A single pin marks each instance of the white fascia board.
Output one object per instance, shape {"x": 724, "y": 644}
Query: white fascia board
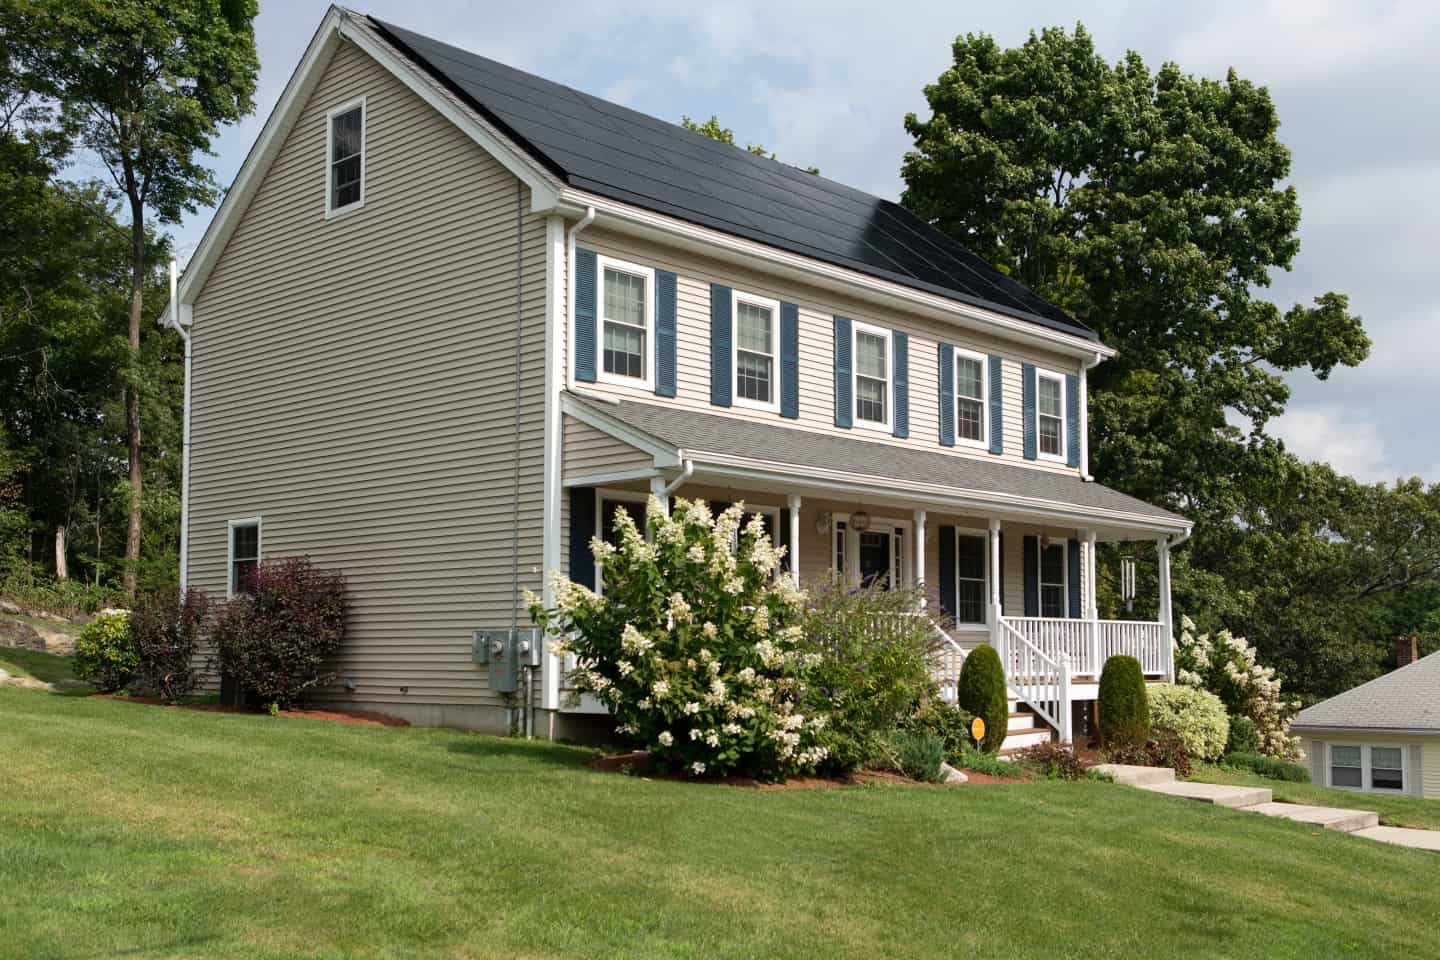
{"x": 647, "y": 224}
{"x": 341, "y": 24}
{"x": 663, "y": 453}
{"x": 927, "y": 494}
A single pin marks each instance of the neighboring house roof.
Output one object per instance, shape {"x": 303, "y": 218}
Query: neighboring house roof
{"x": 786, "y": 449}
{"x": 1407, "y": 699}
{"x": 618, "y": 153}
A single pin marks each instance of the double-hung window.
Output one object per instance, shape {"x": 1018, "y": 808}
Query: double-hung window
{"x": 1050, "y": 415}
{"x": 757, "y": 349}
{"x": 627, "y": 317}
{"x": 970, "y": 550}
{"x": 345, "y": 155}
{"x": 1053, "y": 585}
{"x": 1369, "y": 767}
{"x": 970, "y": 397}
{"x": 244, "y": 556}
{"x": 872, "y": 377}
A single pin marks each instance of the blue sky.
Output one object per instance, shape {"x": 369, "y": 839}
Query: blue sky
{"x": 829, "y": 83}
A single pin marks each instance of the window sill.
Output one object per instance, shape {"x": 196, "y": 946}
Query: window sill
{"x": 872, "y": 426}
{"x": 747, "y": 404}
{"x": 345, "y": 211}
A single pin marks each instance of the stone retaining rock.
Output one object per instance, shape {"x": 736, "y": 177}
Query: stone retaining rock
{"x": 13, "y": 633}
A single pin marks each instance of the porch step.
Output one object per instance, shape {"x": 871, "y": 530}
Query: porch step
{"x": 1024, "y": 737}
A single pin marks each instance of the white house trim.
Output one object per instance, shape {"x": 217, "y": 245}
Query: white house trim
{"x": 664, "y": 454}
{"x": 885, "y": 426}
{"x": 645, "y": 382}
{"x": 738, "y": 297}
{"x": 258, "y": 522}
{"x": 984, "y": 537}
{"x": 984, "y": 360}
{"x": 1041, "y": 374}
{"x": 331, "y": 211}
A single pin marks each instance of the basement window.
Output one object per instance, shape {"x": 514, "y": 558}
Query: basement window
{"x": 345, "y": 148}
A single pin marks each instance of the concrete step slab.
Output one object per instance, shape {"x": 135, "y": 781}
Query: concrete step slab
{"x": 1340, "y": 819}
{"x": 1403, "y": 836}
{"x": 1134, "y": 776}
{"x": 1221, "y": 795}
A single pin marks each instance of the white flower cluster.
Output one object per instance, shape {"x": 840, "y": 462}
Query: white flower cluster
{"x": 1225, "y": 665}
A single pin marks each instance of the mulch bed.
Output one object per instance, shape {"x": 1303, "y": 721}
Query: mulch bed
{"x": 637, "y": 763}
{"x": 365, "y": 718}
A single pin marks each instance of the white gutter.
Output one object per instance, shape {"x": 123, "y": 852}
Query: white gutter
{"x": 1085, "y": 366}
{"x": 686, "y": 473}
{"x": 171, "y": 318}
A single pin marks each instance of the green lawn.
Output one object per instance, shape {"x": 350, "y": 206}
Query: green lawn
{"x": 49, "y": 667}
{"x": 1394, "y": 811}
{"x": 134, "y": 830}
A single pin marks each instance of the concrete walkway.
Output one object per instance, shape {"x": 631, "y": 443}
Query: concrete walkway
{"x": 1362, "y": 823}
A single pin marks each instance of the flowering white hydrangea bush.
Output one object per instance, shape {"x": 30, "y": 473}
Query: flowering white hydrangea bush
{"x": 693, "y": 645}
{"x": 1225, "y": 665}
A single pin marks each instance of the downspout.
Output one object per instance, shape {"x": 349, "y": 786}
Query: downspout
{"x": 1085, "y": 367}
{"x": 174, "y": 321}
{"x": 580, "y": 224}
{"x": 686, "y": 472}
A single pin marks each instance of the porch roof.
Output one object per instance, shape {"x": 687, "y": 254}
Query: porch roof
{"x": 711, "y": 439}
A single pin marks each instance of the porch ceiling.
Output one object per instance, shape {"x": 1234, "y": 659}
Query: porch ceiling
{"x": 740, "y": 448}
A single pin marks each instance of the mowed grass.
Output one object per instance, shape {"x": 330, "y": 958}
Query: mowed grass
{"x": 1394, "y": 811}
{"x": 135, "y": 830}
{"x": 36, "y": 664}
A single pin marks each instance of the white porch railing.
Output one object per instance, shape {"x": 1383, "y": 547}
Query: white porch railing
{"x": 1145, "y": 641}
{"x": 1089, "y": 643}
{"x": 1039, "y": 680}
{"x": 947, "y": 659}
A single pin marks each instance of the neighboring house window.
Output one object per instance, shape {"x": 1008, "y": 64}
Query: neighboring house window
{"x": 346, "y": 150}
{"x": 244, "y": 555}
{"x": 1050, "y": 415}
{"x": 1369, "y": 767}
{"x": 757, "y": 348}
{"x": 872, "y": 377}
{"x": 970, "y": 389}
{"x": 627, "y": 316}
{"x": 1053, "y": 587}
{"x": 970, "y": 551}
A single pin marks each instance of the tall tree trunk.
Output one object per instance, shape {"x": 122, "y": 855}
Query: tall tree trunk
{"x": 132, "y": 392}
{"x": 62, "y": 572}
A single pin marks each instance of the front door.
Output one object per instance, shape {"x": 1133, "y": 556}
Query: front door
{"x": 875, "y": 558}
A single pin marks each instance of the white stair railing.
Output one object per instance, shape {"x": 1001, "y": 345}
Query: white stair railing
{"x": 947, "y": 659}
{"x": 1039, "y": 681}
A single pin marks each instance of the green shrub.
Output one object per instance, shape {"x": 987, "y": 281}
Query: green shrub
{"x": 105, "y": 653}
{"x": 1269, "y": 767}
{"x": 919, "y": 755}
{"x": 1227, "y": 666}
{"x": 1244, "y": 736}
{"x": 165, "y": 630}
{"x": 1052, "y": 760}
{"x": 1124, "y": 707}
{"x": 979, "y": 761}
{"x": 1166, "y": 750}
{"x": 871, "y": 652}
{"x": 1196, "y": 716}
{"x": 982, "y": 693}
{"x": 949, "y": 723}
{"x": 64, "y": 597}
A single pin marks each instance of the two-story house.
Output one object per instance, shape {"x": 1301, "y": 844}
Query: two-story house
{"x": 452, "y": 316}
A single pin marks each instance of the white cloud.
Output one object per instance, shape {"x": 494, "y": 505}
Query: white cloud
{"x": 1347, "y": 439}
{"x": 622, "y": 91}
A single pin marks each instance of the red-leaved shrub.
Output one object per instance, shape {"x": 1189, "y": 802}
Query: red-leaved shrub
{"x": 165, "y": 628}
{"x": 276, "y": 641}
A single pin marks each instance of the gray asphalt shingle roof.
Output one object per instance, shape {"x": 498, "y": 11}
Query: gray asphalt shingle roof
{"x": 619, "y": 153}
{"x": 1403, "y": 699}
{"x": 696, "y": 432}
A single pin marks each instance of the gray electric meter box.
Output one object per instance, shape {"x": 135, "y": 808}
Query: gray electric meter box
{"x": 505, "y": 651}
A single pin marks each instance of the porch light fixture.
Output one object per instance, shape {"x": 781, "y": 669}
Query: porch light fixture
{"x": 859, "y": 521}
{"x": 823, "y": 521}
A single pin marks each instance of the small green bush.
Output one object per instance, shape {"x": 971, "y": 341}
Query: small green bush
{"x": 981, "y": 692}
{"x": 1052, "y": 760}
{"x": 1166, "y": 750}
{"x": 1244, "y": 736}
{"x": 1196, "y": 716}
{"x": 1269, "y": 767}
{"x": 987, "y": 763}
{"x": 1124, "y": 706}
{"x": 919, "y": 755}
{"x": 105, "y": 652}
{"x": 949, "y": 723}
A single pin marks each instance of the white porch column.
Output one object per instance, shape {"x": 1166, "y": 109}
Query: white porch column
{"x": 1092, "y": 609}
{"x": 657, "y": 490}
{"x": 995, "y": 602}
{"x": 920, "y": 554}
{"x": 793, "y": 501}
{"x": 1166, "y": 616}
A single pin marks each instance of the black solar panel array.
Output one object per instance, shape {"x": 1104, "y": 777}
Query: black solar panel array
{"x": 619, "y": 153}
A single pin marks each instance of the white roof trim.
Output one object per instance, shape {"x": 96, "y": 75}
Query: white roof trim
{"x": 338, "y": 24}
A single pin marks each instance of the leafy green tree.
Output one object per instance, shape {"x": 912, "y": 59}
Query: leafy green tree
{"x": 144, "y": 86}
{"x": 711, "y": 128}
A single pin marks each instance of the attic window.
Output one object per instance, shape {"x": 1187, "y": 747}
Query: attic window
{"x": 346, "y": 150}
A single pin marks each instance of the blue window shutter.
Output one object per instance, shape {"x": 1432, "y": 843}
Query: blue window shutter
{"x": 789, "y": 360}
{"x": 582, "y": 529}
{"x": 783, "y": 540}
{"x": 1032, "y": 576}
{"x": 720, "y": 376}
{"x": 1072, "y": 419}
{"x": 947, "y": 395}
{"x": 997, "y": 406}
{"x": 1073, "y": 565}
{"x": 843, "y": 404}
{"x": 948, "y": 600}
{"x": 585, "y": 303}
{"x": 900, "y": 419}
{"x": 664, "y": 333}
{"x": 1028, "y": 393}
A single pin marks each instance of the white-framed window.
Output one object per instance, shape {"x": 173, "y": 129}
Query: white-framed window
{"x": 872, "y": 391}
{"x": 242, "y": 555}
{"x": 1370, "y": 767}
{"x": 607, "y": 503}
{"x": 879, "y": 554}
{"x": 345, "y": 158}
{"x": 755, "y": 345}
{"x": 627, "y": 321}
{"x": 1053, "y": 578}
{"x": 972, "y": 392}
{"x": 972, "y": 582}
{"x": 1050, "y": 415}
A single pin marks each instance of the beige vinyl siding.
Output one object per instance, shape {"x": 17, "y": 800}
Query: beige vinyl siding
{"x": 355, "y": 385}
{"x": 1430, "y": 749}
{"x": 589, "y": 452}
{"x": 817, "y": 310}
